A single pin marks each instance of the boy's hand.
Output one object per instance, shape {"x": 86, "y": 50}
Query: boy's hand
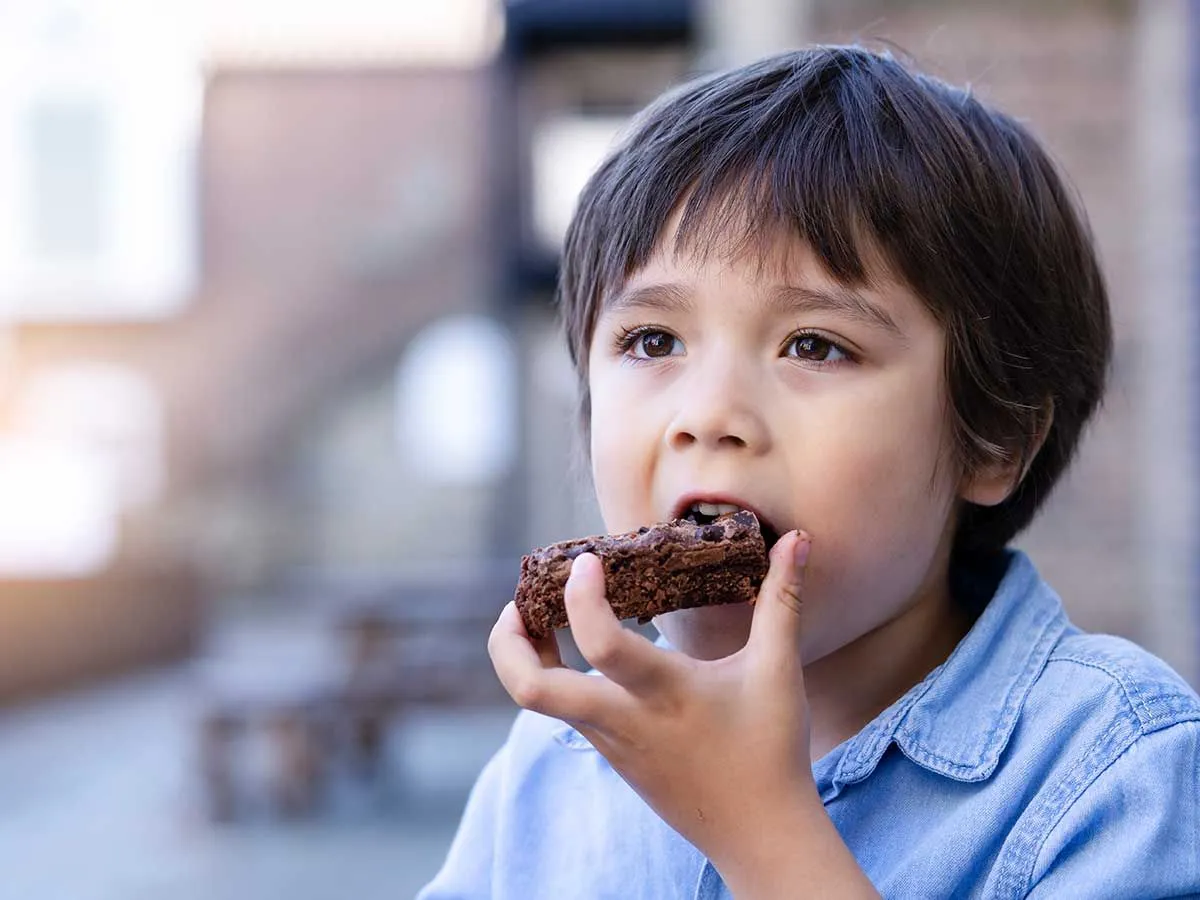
{"x": 719, "y": 749}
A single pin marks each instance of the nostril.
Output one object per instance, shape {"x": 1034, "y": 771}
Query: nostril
{"x": 687, "y": 439}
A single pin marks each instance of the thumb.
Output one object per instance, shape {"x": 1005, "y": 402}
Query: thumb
{"x": 777, "y": 612}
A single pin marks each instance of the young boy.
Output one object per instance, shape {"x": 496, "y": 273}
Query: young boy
{"x": 858, "y": 302}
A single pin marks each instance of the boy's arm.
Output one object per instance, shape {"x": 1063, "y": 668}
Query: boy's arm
{"x": 1132, "y": 832}
{"x": 718, "y": 749}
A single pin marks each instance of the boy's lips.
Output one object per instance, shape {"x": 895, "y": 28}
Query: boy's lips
{"x": 770, "y": 530}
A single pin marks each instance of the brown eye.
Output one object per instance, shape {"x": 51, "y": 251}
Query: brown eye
{"x": 814, "y": 348}
{"x": 655, "y": 344}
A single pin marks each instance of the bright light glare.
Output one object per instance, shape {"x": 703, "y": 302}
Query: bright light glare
{"x": 465, "y": 32}
{"x": 106, "y": 409}
{"x": 58, "y": 516}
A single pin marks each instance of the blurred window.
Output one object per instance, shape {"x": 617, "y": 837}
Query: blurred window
{"x": 68, "y": 207}
{"x": 99, "y": 124}
{"x": 456, "y": 401}
{"x": 566, "y": 150}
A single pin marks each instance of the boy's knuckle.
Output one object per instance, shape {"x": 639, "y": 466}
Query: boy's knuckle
{"x": 529, "y": 693}
{"x": 791, "y": 596}
{"x": 604, "y": 652}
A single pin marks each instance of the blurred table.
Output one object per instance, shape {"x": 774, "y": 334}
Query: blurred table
{"x": 419, "y": 643}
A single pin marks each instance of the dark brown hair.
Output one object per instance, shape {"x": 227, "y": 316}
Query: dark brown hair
{"x": 862, "y": 158}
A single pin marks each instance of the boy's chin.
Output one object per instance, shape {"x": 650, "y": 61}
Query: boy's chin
{"x": 708, "y": 632}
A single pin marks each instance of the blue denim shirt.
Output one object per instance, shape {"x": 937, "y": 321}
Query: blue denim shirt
{"x": 1037, "y": 761}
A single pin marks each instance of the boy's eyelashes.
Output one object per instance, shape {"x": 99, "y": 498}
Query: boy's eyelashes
{"x": 647, "y": 342}
{"x": 815, "y": 347}
{"x": 644, "y": 343}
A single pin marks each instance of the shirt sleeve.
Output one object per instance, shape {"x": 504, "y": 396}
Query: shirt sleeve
{"x": 1134, "y": 832}
{"x": 466, "y": 873}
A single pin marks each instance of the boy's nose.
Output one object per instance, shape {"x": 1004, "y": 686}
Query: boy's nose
{"x": 718, "y": 413}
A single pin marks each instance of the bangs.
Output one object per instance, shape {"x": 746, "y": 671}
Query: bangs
{"x": 848, "y": 165}
{"x": 744, "y": 216}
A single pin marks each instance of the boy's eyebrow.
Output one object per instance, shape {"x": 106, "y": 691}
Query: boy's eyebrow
{"x": 785, "y": 298}
{"x": 838, "y": 300}
{"x": 662, "y": 297}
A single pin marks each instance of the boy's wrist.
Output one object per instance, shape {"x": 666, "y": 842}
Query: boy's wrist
{"x": 794, "y": 852}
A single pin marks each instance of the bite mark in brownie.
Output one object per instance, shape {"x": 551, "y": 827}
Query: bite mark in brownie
{"x": 674, "y": 565}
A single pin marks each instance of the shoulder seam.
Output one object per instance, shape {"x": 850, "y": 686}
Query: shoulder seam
{"x": 1160, "y": 710}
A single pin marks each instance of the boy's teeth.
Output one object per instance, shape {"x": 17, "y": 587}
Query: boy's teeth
{"x": 715, "y": 509}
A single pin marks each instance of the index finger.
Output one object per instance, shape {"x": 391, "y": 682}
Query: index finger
{"x": 537, "y": 680}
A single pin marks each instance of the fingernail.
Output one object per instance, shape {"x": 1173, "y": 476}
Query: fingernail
{"x": 803, "y": 545}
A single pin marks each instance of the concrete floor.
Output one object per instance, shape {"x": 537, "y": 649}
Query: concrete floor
{"x": 99, "y": 800}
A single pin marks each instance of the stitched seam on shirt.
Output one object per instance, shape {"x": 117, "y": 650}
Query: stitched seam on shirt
{"x": 1169, "y": 707}
{"x": 1054, "y": 823}
{"x": 922, "y": 755}
{"x": 1014, "y": 702}
{"x": 883, "y": 735}
{"x": 1026, "y": 851}
{"x": 887, "y": 728}
{"x": 1132, "y": 697}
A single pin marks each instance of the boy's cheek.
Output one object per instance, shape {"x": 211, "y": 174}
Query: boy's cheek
{"x": 621, "y": 493}
{"x": 624, "y": 505}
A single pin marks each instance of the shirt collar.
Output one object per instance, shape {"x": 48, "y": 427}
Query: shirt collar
{"x": 959, "y": 719}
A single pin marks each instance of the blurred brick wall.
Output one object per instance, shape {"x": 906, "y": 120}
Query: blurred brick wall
{"x": 1068, "y": 71}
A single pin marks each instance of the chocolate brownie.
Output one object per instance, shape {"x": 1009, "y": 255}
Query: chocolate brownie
{"x": 674, "y": 565}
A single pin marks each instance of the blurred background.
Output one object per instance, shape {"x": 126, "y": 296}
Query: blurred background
{"x": 283, "y": 399}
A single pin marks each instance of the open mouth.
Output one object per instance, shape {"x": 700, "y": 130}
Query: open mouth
{"x": 701, "y": 513}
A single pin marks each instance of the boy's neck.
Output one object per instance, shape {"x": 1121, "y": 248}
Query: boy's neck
{"x": 850, "y": 687}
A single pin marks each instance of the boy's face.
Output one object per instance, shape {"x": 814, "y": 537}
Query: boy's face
{"x": 775, "y": 388}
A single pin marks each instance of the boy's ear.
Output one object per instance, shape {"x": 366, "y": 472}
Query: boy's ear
{"x": 993, "y": 483}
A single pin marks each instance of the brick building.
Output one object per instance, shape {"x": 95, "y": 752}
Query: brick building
{"x": 347, "y": 201}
